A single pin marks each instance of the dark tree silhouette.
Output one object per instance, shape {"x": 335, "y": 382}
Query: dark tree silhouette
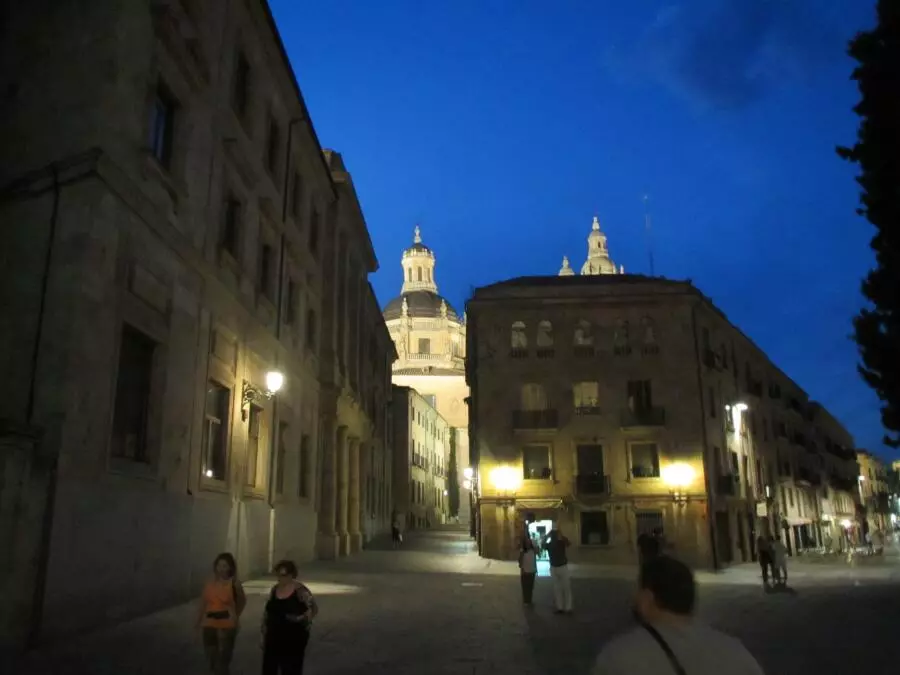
{"x": 453, "y": 477}
{"x": 877, "y": 152}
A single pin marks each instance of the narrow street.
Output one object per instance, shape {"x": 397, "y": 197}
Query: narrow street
{"x": 436, "y": 607}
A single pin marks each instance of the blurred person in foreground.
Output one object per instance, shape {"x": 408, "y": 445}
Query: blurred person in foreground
{"x": 668, "y": 640}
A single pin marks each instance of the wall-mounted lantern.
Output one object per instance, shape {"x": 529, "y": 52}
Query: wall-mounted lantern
{"x": 251, "y": 394}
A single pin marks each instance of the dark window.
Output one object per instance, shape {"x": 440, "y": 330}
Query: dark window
{"x": 162, "y": 126}
{"x": 273, "y": 144}
{"x": 640, "y": 398}
{"x": 279, "y": 459}
{"x": 264, "y": 282}
{"x": 314, "y": 231}
{"x": 311, "y": 329}
{"x": 296, "y": 195}
{"x": 303, "y": 464}
{"x": 133, "y": 382}
{"x": 735, "y": 464}
{"x": 648, "y": 521}
{"x": 424, "y": 346}
{"x": 290, "y": 303}
{"x": 594, "y": 528}
{"x": 215, "y": 432}
{"x": 706, "y": 339}
{"x": 241, "y": 93}
{"x": 253, "y": 437}
{"x": 644, "y": 460}
{"x": 231, "y": 225}
{"x": 759, "y": 475}
{"x": 536, "y": 463}
{"x": 712, "y": 402}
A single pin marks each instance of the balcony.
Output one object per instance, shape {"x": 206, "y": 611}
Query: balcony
{"x": 587, "y": 409}
{"x": 843, "y": 484}
{"x": 545, "y": 352}
{"x": 535, "y": 419}
{"x": 518, "y": 353}
{"x": 583, "y": 351}
{"x": 643, "y": 417}
{"x": 592, "y": 485}
{"x": 727, "y": 485}
{"x": 804, "y": 476}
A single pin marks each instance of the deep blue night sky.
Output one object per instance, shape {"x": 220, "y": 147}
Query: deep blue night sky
{"x": 503, "y": 126}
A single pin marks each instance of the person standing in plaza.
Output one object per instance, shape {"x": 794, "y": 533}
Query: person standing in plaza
{"x": 287, "y": 620}
{"x": 396, "y": 537}
{"x": 649, "y": 545}
{"x": 779, "y": 562}
{"x": 556, "y": 545}
{"x": 527, "y": 568}
{"x": 668, "y": 640}
{"x": 764, "y": 555}
{"x": 220, "y": 609}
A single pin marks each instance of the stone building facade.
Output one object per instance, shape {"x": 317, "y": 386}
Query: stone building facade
{"x": 612, "y": 404}
{"x": 182, "y": 246}
{"x": 430, "y": 337}
{"x": 421, "y": 460}
{"x": 874, "y": 492}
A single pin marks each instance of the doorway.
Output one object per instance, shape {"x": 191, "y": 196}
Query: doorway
{"x": 537, "y": 530}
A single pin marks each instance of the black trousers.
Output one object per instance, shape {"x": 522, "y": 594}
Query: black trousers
{"x": 765, "y": 564}
{"x": 284, "y": 655}
{"x": 527, "y": 587}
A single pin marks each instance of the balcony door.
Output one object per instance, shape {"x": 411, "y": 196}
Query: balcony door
{"x": 591, "y": 475}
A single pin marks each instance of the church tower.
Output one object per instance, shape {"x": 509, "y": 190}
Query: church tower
{"x": 598, "y": 260}
{"x": 418, "y": 267}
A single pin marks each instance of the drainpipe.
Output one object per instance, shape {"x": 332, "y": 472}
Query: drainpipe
{"x": 707, "y": 477}
{"x": 43, "y": 563}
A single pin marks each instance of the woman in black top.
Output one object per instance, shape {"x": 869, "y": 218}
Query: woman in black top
{"x": 287, "y": 619}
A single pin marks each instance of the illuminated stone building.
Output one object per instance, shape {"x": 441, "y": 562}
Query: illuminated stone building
{"x": 614, "y": 404}
{"x": 182, "y": 246}
{"x": 430, "y": 338}
{"x": 874, "y": 492}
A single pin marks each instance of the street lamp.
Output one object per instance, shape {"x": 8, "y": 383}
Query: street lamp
{"x": 678, "y": 477}
{"x": 251, "y": 394}
{"x": 468, "y": 473}
{"x": 505, "y": 480}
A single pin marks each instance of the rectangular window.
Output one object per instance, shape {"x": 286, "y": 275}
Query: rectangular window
{"x": 266, "y": 267}
{"x": 273, "y": 145}
{"x": 296, "y": 195}
{"x": 311, "y": 329}
{"x": 215, "y": 432}
{"x": 594, "y": 528}
{"x": 241, "y": 91}
{"x": 303, "y": 465}
{"x": 253, "y": 437}
{"x": 713, "y": 404}
{"x": 586, "y": 395}
{"x": 424, "y": 346}
{"x": 644, "y": 460}
{"x": 133, "y": 383}
{"x": 231, "y": 225}
{"x": 314, "y": 231}
{"x": 735, "y": 464}
{"x": 791, "y": 496}
{"x": 640, "y": 398}
{"x": 290, "y": 303}
{"x": 759, "y": 475}
{"x": 162, "y": 126}
{"x": 536, "y": 462}
{"x": 648, "y": 521}
{"x": 280, "y": 459}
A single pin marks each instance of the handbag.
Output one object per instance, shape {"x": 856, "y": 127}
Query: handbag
{"x": 676, "y": 664}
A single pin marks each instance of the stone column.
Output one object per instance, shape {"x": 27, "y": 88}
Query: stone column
{"x": 327, "y": 539}
{"x": 353, "y": 500}
{"x": 343, "y": 486}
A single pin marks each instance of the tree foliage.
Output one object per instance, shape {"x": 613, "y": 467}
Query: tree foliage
{"x": 877, "y": 152}
{"x": 453, "y": 477}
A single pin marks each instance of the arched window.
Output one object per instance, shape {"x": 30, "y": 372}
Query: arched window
{"x": 428, "y": 274}
{"x": 545, "y": 334}
{"x": 418, "y": 274}
{"x": 584, "y": 336}
{"x": 648, "y": 331}
{"x": 534, "y": 397}
{"x": 622, "y": 333}
{"x": 518, "y": 337}
{"x": 409, "y": 274}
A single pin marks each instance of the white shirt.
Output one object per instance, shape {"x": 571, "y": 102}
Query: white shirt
{"x": 700, "y": 649}
{"x": 528, "y": 562}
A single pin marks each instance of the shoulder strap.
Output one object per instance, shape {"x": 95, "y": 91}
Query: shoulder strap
{"x": 676, "y": 664}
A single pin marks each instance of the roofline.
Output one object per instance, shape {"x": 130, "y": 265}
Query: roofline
{"x": 683, "y": 286}
{"x": 270, "y": 19}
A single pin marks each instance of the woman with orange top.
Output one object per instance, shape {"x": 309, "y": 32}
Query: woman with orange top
{"x": 221, "y": 605}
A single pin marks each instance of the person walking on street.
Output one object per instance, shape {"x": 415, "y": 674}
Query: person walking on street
{"x": 764, "y": 555}
{"x": 668, "y": 640}
{"x": 779, "y": 562}
{"x": 650, "y": 545}
{"x": 220, "y": 608}
{"x": 286, "y": 624}
{"x": 527, "y": 568}
{"x": 396, "y": 537}
{"x": 555, "y": 543}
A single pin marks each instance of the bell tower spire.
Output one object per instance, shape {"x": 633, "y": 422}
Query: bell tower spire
{"x": 418, "y": 266}
{"x": 598, "y": 261}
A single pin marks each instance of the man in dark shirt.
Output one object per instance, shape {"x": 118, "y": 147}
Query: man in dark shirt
{"x": 555, "y": 543}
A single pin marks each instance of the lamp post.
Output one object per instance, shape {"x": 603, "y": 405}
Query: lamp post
{"x": 678, "y": 478}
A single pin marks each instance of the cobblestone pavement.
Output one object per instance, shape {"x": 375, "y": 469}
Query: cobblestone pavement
{"x": 436, "y": 608}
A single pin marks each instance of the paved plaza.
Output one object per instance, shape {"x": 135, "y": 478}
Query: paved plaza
{"x": 436, "y": 608}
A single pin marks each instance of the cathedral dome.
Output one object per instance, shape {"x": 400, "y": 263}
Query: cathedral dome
{"x": 424, "y": 304}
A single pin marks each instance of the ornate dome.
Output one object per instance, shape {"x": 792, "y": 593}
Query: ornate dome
{"x": 423, "y": 304}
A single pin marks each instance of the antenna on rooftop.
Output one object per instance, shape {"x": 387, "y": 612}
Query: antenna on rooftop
{"x": 648, "y": 233}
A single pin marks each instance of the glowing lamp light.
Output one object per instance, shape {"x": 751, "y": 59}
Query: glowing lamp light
{"x": 467, "y": 484}
{"x": 445, "y": 493}
{"x": 274, "y": 381}
{"x": 504, "y": 478}
{"x": 846, "y": 524}
{"x": 209, "y": 473}
{"x": 678, "y": 475}
{"x": 468, "y": 472}
{"x": 741, "y": 407}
